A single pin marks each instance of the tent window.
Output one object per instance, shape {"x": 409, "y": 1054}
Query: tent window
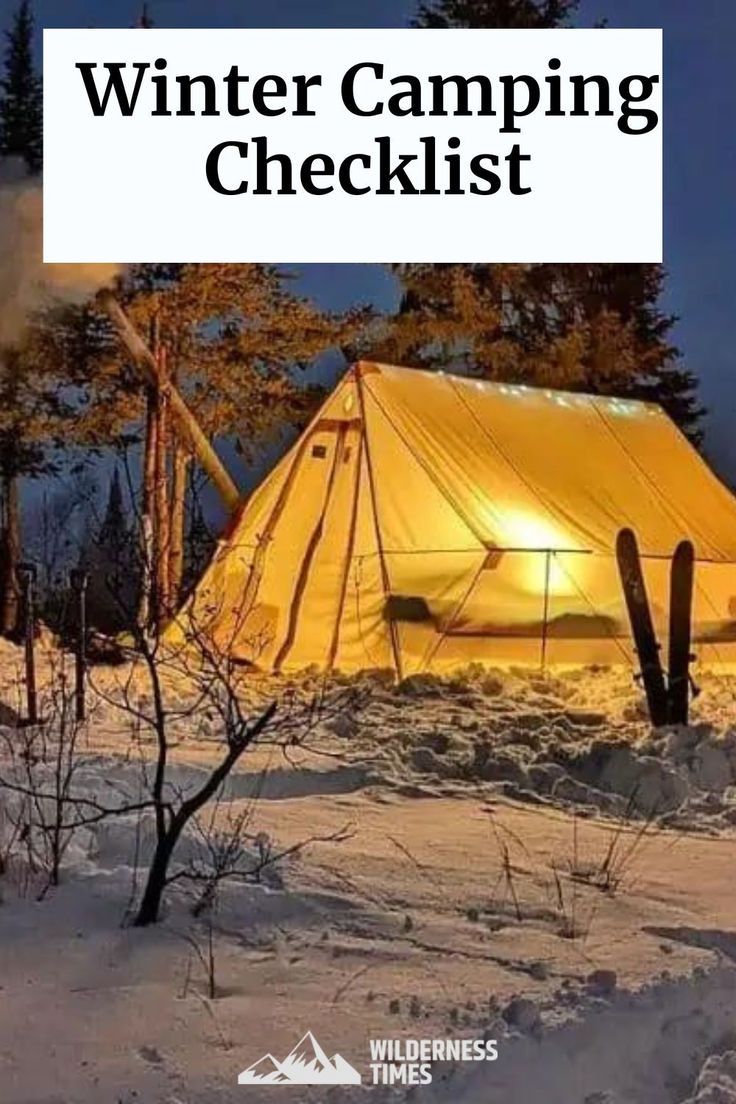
{"x": 401, "y": 608}
{"x": 319, "y": 452}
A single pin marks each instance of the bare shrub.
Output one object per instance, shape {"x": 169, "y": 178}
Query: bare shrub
{"x": 200, "y": 684}
{"x": 626, "y": 841}
{"x": 41, "y": 806}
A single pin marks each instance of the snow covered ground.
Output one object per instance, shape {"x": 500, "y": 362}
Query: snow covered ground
{"x": 497, "y": 856}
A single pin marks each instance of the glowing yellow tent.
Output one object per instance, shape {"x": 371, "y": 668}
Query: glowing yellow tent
{"x": 424, "y": 521}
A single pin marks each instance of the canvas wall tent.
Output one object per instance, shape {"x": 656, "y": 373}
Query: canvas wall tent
{"x": 424, "y": 521}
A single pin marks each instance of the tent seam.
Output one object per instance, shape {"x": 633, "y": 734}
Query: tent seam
{"x": 674, "y": 515}
{"x": 335, "y": 642}
{"x": 306, "y": 566}
{"x": 393, "y": 636}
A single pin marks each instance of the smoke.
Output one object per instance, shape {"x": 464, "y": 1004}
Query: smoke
{"x": 26, "y": 283}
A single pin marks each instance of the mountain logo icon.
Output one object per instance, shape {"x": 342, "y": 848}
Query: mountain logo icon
{"x": 306, "y": 1064}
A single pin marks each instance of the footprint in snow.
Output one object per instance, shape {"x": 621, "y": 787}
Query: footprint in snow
{"x": 150, "y": 1054}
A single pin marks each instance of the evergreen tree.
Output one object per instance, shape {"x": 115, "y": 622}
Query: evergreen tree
{"x": 597, "y": 327}
{"x": 110, "y": 559}
{"x": 631, "y": 296}
{"x": 200, "y": 543}
{"x": 235, "y": 337}
{"x": 21, "y": 132}
{"x": 32, "y": 409}
{"x": 538, "y": 14}
{"x": 145, "y": 19}
{"x": 21, "y": 114}
{"x": 114, "y": 533}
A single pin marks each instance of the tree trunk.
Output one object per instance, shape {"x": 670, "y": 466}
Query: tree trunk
{"x": 168, "y": 837}
{"x": 178, "y": 522}
{"x": 145, "y": 606}
{"x": 11, "y": 551}
{"x": 150, "y": 905}
{"x": 161, "y": 508}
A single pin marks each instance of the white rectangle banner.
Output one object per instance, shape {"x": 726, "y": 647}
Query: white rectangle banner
{"x": 352, "y": 145}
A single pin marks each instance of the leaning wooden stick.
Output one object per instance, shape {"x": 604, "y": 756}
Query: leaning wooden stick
{"x": 186, "y": 424}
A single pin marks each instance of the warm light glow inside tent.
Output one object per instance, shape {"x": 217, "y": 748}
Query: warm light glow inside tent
{"x": 424, "y": 521}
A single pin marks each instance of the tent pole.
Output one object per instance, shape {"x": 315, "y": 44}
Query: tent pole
{"x": 381, "y": 553}
{"x": 545, "y": 621}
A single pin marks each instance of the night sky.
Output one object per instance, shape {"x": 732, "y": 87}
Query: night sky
{"x": 700, "y": 158}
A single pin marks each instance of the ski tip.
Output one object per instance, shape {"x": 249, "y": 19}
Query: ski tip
{"x": 625, "y": 538}
{"x": 685, "y": 551}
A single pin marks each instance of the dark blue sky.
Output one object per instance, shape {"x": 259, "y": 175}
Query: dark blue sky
{"x": 700, "y": 157}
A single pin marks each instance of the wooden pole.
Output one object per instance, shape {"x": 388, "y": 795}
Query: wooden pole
{"x": 186, "y": 424}
{"x": 161, "y": 495}
{"x": 178, "y": 521}
{"x": 147, "y": 603}
{"x": 545, "y": 615}
{"x": 79, "y": 581}
{"x": 10, "y": 555}
{"x": 27, "y": 578}
{"x": 148, "y": 550}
